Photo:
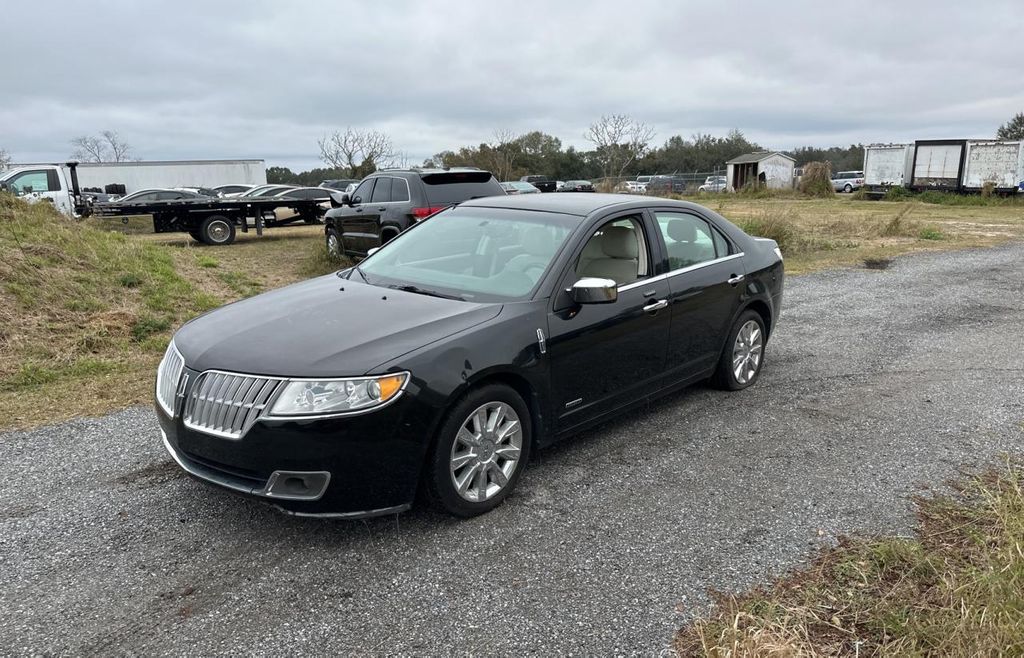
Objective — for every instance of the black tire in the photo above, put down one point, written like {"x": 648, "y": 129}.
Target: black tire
{"x": 439, "y": 478}
{"x": 195, "y": 235}
{"x": 725, "y": 376}
{"x": 848, "y": 188}
{"x": 217, "y": 230}
{"x": 388, "y": 233}
{"x": 338, "y": 249}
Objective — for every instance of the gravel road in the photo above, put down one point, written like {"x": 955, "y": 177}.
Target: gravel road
{"x": 876, "y": 382}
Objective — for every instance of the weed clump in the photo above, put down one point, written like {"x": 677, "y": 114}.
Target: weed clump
{"x": 817, "y": 180}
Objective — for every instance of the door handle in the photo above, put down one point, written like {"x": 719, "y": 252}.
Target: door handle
{"x": 656, "y": 306}
{"x": 381, "y": 209}
{"x": 736, "y": 278}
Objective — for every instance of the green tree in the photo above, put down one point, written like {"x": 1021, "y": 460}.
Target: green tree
{"x": 1012, "y": 129}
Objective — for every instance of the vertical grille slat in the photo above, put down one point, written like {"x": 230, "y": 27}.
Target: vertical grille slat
{"x": 227, "y": 404}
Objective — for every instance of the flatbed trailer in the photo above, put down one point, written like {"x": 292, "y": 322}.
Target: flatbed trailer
{"x": 215, "y": 221}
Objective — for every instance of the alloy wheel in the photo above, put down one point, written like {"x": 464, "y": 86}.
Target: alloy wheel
{"x": 486, "y": 451}
{"x": 747, "y": 351}
{"x": 333, "y": 245}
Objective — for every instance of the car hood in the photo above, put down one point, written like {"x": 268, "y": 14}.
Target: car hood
{"x": 325, "y": 327}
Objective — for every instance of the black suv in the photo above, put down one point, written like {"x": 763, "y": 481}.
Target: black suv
{"x": 389, "y": 201}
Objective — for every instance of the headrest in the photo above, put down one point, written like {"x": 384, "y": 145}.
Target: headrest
{"x": 537, "y": 241}
{"x": 681, "y": 231}
{"x": 619, "y": 242}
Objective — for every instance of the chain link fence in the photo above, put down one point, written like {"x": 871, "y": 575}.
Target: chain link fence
{"x": 689, "y": 181}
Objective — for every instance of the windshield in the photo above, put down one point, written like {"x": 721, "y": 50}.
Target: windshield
{"x": 476, "y": 254}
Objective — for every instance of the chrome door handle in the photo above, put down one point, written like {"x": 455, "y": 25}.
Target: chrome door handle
{"x": 656, "y": 306}
{"x": 736, "y": 279}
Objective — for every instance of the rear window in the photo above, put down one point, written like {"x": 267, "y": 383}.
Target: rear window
{"x": 457, "y": 186}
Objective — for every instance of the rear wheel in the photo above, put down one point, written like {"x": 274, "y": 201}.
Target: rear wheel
{"x": 217, "y": 230}
{"x": 480, "y": 452}
{"x": 848, "y": 188}
{"x": 743, "y": 356}
{"x": 195, "y": 235}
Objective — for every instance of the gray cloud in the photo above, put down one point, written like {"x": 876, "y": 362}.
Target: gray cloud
{"x": 258, "y": 79}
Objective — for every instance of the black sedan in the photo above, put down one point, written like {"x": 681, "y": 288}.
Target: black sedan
{"x": 475, "y": 337}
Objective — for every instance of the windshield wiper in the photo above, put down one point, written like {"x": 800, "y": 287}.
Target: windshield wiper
{"x": 359, "y": 271}
{"x": 424, "y": 291}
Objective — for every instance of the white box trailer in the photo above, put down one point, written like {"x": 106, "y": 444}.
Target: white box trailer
{"x": 938, "y": 164}
{"x": 998, "y": 163}
{"x": 137, "y": 176}
{"x": 886, "y": 165}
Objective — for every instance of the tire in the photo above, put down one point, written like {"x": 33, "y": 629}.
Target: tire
{"x": 217, "y": 230}
{"x": 335, "y": 245}
{"x": 195, "y": 235}
{"x": 461, "y": 456}
{"x": 848, "y": 188}
{"x": 388, "y": 234}
{"x": 750, "y": 345}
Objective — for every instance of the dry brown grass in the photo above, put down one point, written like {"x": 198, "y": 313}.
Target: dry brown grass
{"x": 85, "y": 313}
{"x": 955, "y": 589}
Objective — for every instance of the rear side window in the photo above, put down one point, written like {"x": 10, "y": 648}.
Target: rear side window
{"x": 459, "y": 186}
{"x": 382, "y": 190}
{"x": 688, "y": 239}
{"x": 399, "y": 190}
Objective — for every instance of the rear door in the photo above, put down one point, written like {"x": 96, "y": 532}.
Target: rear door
{"x": 357, "y": 226}
{"x": 705, "y": 278}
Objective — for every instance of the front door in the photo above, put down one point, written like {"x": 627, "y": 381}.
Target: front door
{"x": 358, "y": 223}
{"x": 604, "y": 355}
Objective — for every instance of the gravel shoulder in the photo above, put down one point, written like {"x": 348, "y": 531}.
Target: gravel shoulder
{"x": 876, "y": 382}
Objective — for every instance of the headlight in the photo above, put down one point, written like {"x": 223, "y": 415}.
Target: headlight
{"x": 337, "y": 396}
{"x": 778, "y": 252}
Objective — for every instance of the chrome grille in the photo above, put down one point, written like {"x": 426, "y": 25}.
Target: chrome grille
{"x": 167, "y": 376}
{"x": 226, "y": 404}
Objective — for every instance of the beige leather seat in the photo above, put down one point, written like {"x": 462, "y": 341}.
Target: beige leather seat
{"x": 619, "y": 256}
{"x": 684, "y": 249}
{"x": 539, "y": 247}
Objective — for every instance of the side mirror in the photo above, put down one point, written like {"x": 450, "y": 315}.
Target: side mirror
{"x": 354, "y": 200}
{"x": 371, "y": 251}
{"x": 590, "y": 290}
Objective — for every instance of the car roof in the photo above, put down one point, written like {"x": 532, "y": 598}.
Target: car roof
{"x": 575, "y": 203}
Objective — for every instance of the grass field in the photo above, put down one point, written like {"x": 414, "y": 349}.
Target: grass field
{"x": 87, "y": 307}
{"x": 956, "y": 588}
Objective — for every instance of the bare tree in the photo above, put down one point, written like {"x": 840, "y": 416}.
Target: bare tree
{"x": 506, "y": 149}
{"x": 105, "y": 147}
{"x": 5, "y": 159}
{"x": 360, "y": 152}
{"x": 619, "y": 140}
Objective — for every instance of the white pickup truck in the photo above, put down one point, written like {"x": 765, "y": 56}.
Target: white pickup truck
{"x": 56, "y": 184}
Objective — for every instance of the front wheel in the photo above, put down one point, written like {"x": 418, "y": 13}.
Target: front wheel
{"x": 743, "y": 355}
{"x": 480, "y": 452}
{"x": 848, "y": 188}
{"x": 335, "y": 247}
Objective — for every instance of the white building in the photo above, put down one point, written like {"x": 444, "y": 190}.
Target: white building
{"x": 771, "y": 169}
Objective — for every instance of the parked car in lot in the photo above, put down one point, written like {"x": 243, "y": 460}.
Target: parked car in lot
{"x": 201, "y": 191}
{"x": 519, "y": 187}
{"x": 233, "y": 189}
{"x": 157, "y": 194}
{"x": 714, "y": 184}
{"x": 638, "y": 186}
{"x": 577, "y": 186}
{"x": 266, "y": 190}
{"x": 286, "y": 214}
{"x": 445, "y": 359}
{"x": 391, "y": 200}
{"x": 542, "y": 183}
{"x": 847, "y": 181}
{"x": 339, "y": 183}
{"x": 666, "y": 185}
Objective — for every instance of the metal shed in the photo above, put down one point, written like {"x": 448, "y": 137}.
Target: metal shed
{"x": 771, "y": 169}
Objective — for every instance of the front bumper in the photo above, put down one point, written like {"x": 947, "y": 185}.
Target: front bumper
{"x": 344, "y": 467}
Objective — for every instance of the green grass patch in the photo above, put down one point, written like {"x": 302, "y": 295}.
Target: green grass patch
{"x": 240, "y": 283}
{"x": 207, "y": 261}
{"x": 956, "y": 588}
{"x": 931, "y": 233}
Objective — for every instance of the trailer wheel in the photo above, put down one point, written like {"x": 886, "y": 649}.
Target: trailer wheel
{"x": 195, "y": 235}
{"x": 216, "y": 230}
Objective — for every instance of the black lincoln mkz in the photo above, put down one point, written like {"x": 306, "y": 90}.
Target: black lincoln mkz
{"x": 471, "y": 339}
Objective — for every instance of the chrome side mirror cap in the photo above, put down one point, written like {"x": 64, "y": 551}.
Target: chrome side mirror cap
{"x": 591, "y": 290}
{"x": 371, "y": 251}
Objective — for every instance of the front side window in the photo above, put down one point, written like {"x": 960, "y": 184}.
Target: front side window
{"x": 475, "y": 254}
{"x": 362, "y": 192}
{"x": 29, "y": 181}
{"x": 689, "y": 239}
{"x": 617, "y": 251}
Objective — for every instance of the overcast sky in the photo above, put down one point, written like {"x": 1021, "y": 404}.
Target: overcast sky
{"x": 183, "y": 79}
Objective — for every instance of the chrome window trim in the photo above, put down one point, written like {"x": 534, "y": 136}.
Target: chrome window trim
{"x": 408, "y": 193}
{"x": 682, "y": 270}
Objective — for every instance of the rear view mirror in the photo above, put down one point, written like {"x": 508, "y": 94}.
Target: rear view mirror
{"x": 591, "y": 290}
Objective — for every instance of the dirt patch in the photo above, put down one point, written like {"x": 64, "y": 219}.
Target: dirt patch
{"x": 151, "y": 474}
{"x": 877, "y": 263}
